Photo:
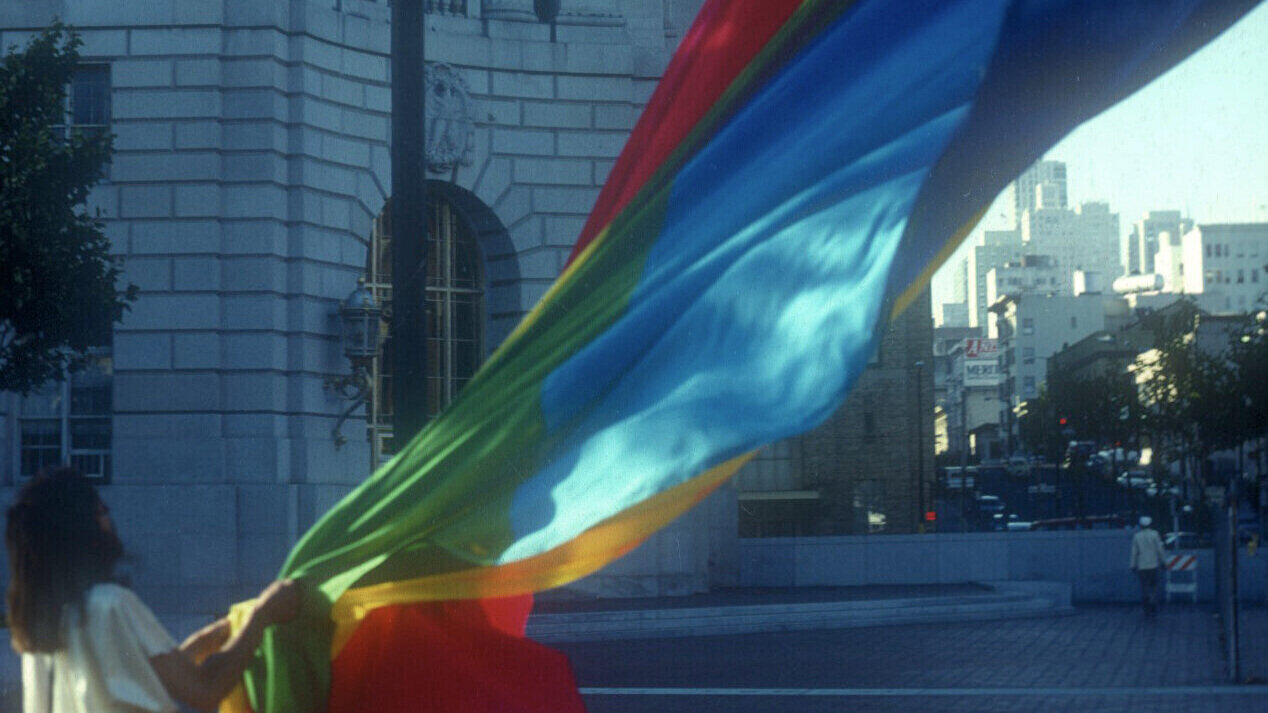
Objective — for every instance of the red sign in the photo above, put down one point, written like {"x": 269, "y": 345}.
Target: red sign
{"x": 979, "y": 348}
{"x": 931, "y": 516}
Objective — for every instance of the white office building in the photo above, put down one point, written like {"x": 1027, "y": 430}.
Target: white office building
{"x": 1226, "y": 266}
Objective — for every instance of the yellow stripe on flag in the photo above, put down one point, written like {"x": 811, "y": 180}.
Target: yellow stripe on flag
{"x": 573, "y": 560}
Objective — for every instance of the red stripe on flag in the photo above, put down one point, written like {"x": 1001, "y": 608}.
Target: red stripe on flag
{"x": 724, "y": 39}
{"x": 451, "y": 656}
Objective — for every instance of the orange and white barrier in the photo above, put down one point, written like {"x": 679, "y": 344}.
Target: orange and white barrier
{"x": 1182, "y": 576}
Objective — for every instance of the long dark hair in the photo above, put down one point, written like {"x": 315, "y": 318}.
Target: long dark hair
{"x": 57, "y": 551}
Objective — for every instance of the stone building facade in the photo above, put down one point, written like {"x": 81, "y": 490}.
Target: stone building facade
{"x": 252, "y": 160}
{"x": 251, "y": 171}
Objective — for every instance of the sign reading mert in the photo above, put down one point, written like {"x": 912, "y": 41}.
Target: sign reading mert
{"x": 981, "y": 362}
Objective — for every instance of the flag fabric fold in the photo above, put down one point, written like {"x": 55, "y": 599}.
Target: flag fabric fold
{"x": 799, "y": 173}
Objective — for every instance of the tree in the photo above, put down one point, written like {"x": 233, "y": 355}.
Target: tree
{"x": 1039, "y": 427}
{"x": 1192, "y": 410}
{"x": 1102, "y": 406}
{"x": 1248, "y": 355}
{"x": 58, "y": 294}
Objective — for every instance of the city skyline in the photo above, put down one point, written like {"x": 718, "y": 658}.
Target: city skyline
{"x": 1199, "y": 151}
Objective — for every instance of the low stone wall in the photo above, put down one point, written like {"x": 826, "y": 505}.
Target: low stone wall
{"x": 1093, "y": 563}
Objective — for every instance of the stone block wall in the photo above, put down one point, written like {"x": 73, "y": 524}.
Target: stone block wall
{"x": 252, "y": 156}
{"x": 867, "y": 455}
{"x": 1092, "y": 562}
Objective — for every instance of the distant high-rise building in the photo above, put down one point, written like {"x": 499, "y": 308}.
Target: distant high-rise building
{"x": 1082, "y": 239}
{"x": 960, "y": 281}
{"x": 1043, "y": 185}
{"x": 1031, "y": 274}
{"x": 1139, "y": 250}
{"x": 1085, "y": 239}
{"x": 954, "y": 314}
{"x": 999, "y": 247}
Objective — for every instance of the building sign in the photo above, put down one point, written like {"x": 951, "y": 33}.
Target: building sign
{"x": 981, "y": 362}
{"x": 981, "y": 348}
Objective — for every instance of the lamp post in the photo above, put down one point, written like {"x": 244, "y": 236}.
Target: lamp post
{"x": 547, "y": 11}
{"x": 409, "y": 222}
{"x": 920, "y": 449}
{"x": 964, "y": 448}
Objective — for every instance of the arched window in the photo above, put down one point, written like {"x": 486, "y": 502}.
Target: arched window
{"x": 454, "y": 315}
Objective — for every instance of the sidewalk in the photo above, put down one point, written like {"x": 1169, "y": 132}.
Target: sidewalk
{"x": 1100, "y": 659}
{"x": 1254, "y": 643}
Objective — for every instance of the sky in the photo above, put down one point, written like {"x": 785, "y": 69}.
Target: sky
{"x": 1194, "y": 140}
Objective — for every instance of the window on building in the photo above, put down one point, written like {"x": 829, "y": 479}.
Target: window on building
{"x": 1028, "y": 355}
{"x": 1028, "y": 387}
{"x": 89, "y": 97}
{"x": 1074, "y": 323}
{"x": 1241, "y": 276}
{"x": 1027, "y": 325}
{"x": 457, "y": 8}
{"x": 1254, "y": 275}
{"x": 869, "y": 426}
{"x": 1208, "y": 250}
{"x": 70, "y": 422}
{"x": 454, "y": 316}
{"x": 87, "y": 102}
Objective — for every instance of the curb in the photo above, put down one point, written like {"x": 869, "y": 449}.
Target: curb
{"x": 761, "y": 618}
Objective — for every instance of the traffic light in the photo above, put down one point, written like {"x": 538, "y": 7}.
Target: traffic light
{"x": 1063, "y": 421}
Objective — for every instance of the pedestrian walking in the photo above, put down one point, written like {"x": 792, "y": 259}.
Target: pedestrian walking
{"x": 1146, "y": 559}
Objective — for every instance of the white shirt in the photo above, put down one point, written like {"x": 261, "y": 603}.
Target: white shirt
{"x": 105, "y": 666}
{"x": 1147, "y": 550}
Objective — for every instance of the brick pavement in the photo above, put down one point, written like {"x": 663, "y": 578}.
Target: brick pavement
{"x": 1254, "y": 642}
{"x": 1102, "y": 658}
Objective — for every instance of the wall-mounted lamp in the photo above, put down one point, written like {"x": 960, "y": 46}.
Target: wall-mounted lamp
{"x": 360, "y": 320}
{"x": 547, "y": 11}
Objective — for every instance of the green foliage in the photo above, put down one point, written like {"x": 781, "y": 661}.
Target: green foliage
{"x": 1248, "y": 359}
{"x": 1103, "y": 407}
{"x": 58, "y": 294}
{"x": 1195, "y": 395}
{"x": 1038, "y": 428}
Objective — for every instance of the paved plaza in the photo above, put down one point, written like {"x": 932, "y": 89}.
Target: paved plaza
{"x": 1100, "y": 658}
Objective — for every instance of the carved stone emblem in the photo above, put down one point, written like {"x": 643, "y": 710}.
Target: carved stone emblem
{"x": 450, "y": 129}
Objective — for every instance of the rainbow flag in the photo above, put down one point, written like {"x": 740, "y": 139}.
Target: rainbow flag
{"x": 800, "y": 172}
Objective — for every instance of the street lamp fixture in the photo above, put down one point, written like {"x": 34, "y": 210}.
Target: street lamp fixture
{"x": 547, "y": 11}
{"x": 360, "y": 321}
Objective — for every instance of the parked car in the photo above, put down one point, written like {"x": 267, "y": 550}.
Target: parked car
{"x": 1137, "y": 479}
{"x": 1018, "y": 465}
{"x": 990, "y": 504}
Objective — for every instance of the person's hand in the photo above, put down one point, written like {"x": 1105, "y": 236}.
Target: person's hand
{"x": 279, "y": 602}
